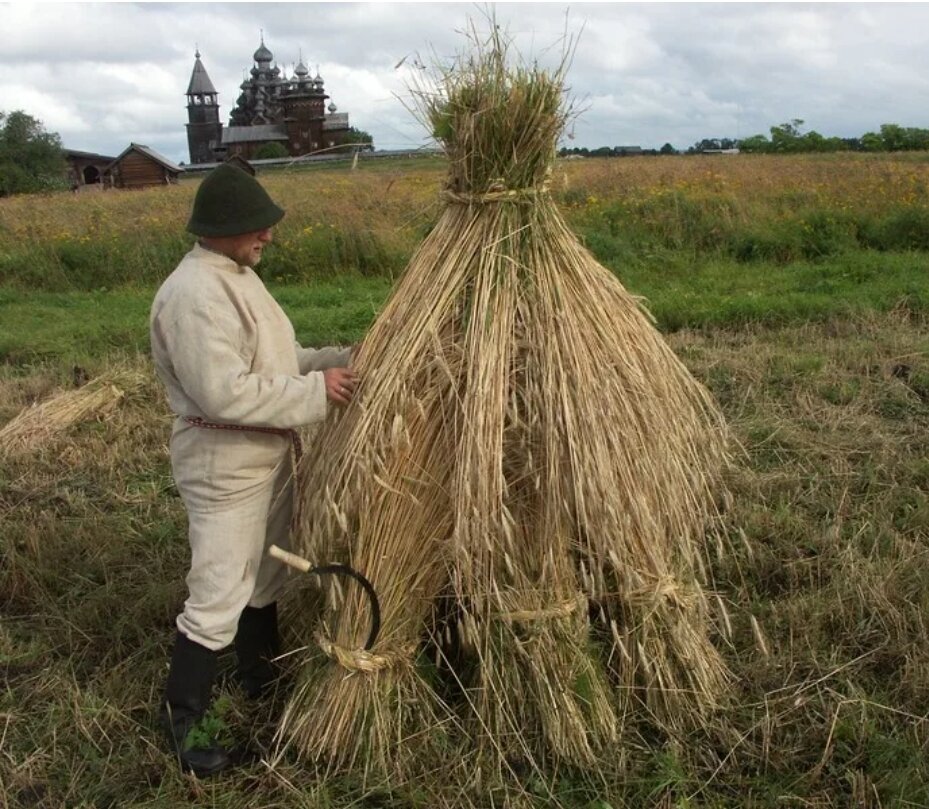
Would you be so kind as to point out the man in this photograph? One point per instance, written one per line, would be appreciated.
(238, 383)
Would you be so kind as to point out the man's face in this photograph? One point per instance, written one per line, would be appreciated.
(244, 249)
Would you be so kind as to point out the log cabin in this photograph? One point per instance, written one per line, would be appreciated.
(139, 167)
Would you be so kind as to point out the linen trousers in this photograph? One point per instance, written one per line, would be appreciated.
(237, 487)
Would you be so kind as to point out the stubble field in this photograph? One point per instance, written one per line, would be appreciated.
(795, 288)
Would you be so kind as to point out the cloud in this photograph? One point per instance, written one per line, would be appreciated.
(107, 73)
(44, 106)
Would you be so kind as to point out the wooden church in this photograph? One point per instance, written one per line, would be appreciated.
(271, 108)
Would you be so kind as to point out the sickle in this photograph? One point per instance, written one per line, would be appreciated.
(303, 565)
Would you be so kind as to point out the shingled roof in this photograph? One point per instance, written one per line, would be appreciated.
(149, 152)
(200, 83)
(254, 133)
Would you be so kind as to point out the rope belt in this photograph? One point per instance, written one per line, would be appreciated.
(294, 437)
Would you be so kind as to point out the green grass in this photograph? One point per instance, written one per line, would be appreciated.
(680, 293)
(71, 326)
(724, 293)
(79, 327)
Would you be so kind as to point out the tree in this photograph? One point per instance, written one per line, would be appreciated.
(871, 142)
(270, 151)
(756, 143)
(813, 142)
(917, 138)
(707, 145)
(786, 137)
(894, 137)
(667, 149)
(355, 136)
(31, 159)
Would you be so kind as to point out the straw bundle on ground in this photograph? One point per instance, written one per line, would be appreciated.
(524, 452)
(38, 424)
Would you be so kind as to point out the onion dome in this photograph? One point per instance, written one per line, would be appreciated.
(263, 54)
(332, 107)
(300, 71)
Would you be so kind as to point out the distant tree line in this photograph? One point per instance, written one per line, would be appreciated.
(786, 138)
(609, 151)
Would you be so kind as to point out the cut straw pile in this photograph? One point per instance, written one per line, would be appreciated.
(37, 425)
(526, 475)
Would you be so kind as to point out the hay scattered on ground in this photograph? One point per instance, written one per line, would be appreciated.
(39, 424)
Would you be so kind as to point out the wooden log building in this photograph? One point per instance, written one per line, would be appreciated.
(272, 108)
(85, 169)
(139, 166)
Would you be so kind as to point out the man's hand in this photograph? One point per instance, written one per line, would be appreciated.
(340, 384)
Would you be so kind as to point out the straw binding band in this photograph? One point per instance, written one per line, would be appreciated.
(497, 192)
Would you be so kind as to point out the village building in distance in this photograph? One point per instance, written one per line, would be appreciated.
(138, 166)
(272, 108)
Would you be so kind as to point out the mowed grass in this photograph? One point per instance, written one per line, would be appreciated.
(826, 549)
(821, 365)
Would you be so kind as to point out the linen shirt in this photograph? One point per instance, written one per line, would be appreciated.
(226, 351)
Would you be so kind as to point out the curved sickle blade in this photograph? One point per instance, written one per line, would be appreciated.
(345, 570)
(303, 565)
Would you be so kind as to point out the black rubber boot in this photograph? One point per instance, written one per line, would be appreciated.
(186, 700)
(256, 644)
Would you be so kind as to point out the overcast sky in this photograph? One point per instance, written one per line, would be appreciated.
(105, 74)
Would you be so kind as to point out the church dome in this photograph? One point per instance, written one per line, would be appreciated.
(301, 70)
(263, 54)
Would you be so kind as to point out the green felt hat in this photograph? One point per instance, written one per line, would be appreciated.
(230, 202)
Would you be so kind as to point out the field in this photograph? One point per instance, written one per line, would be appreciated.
(796, 288)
